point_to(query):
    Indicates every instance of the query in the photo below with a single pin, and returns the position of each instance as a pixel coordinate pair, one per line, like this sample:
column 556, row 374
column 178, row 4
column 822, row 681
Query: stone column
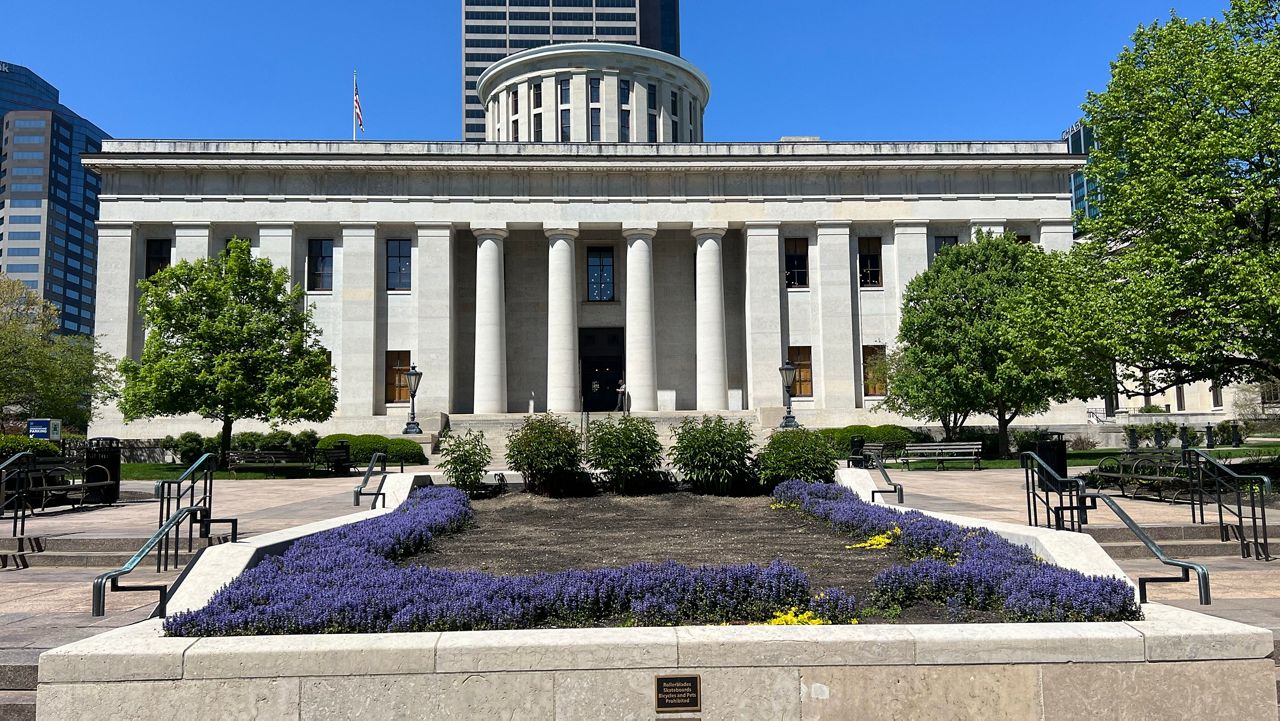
column 766, row 314
column 190, row 241
column 433, row 290
column 836, row 373
column 641, row 330
column 1057, row 234
column 563, row 393
column 910, row 258
column 713, row 375
column 358, row 356
column 120, row 267
column 275, row 243
column 491, row 322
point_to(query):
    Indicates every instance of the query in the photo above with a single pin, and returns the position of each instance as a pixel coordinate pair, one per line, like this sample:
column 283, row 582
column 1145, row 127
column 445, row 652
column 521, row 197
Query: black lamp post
column 788, row 372
column 414, row 376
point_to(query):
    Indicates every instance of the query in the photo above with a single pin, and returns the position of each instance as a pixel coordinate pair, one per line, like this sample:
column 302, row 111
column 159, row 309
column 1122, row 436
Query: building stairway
column 75, row 551
column 1179, row 541
column 18, row 684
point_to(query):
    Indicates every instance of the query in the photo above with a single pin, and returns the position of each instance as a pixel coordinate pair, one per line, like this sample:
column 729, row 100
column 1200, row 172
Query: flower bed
column 346, row 580
column 964, row 568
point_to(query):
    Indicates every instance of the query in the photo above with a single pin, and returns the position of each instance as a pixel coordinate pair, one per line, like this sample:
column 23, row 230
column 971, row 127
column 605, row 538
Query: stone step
column 1171, row 532
column 18, row 669
column 74, row 543
column 17, row 705
column 1198, row 548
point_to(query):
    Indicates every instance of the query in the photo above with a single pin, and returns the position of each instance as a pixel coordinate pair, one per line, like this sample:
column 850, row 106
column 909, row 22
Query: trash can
column 1052, row 449
column 856, row 444
column 102, row 453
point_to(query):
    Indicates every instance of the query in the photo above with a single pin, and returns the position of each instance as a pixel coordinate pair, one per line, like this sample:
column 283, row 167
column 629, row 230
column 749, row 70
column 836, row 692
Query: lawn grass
column 171, row 471
column 1089, row 459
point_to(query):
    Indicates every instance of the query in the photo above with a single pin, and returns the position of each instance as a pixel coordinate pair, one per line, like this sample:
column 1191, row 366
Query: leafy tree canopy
column 227, row 339
column 973, row 338
column 1185, row 253
column 45, row 374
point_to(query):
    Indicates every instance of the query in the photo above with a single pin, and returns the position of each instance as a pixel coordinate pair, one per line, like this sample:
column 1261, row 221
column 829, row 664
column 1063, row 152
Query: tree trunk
column 224, row 450
column 1003, row 421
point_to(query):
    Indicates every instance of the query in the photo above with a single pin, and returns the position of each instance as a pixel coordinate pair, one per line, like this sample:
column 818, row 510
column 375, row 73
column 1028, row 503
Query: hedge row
column 397, row 450
column 13, row 445
column 190, row 446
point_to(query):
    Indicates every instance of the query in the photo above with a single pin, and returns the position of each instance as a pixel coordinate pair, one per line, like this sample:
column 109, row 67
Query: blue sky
column 840, row 69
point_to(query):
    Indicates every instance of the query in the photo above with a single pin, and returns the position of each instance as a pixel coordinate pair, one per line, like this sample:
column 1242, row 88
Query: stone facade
column 699, row 310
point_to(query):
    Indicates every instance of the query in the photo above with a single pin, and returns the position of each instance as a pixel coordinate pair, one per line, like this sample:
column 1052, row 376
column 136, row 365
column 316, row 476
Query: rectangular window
column 624, row 93
column 600, row 275
column 653, row 97
column 515, row 131
column 1215, row 391
column 675, row 103
column 624, row 126
column 653, row 127
column 595, row 125
column 399, row 265
column 537, row 95
column 675, row 130
column 537, row 127
column 1180, row 396
column 29, row 123
column 802, row 358
column 1269, row 395
column 28, row 155
column 515, row 102
column 159, row 252
column 564, row 91
column 320, row 264
column 869, row 268
column 25, row 203
column 797, row 262
column 25, row 220
column 566, row 126
column 27, row 171
column 26, row 187
column 397, row 382
column 594, row 89
column 21, row 268
column 1024, row 239
column 942, row 242
column 875, row 369
column 27, row 252
column 28, row 139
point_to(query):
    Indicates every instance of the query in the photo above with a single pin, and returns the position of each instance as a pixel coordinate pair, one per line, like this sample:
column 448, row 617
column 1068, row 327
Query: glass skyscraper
column 48, row 201
column 1080, row 141
column 494, row 29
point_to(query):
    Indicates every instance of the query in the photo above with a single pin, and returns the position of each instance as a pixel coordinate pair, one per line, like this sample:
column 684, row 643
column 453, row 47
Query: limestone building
column 516, row 272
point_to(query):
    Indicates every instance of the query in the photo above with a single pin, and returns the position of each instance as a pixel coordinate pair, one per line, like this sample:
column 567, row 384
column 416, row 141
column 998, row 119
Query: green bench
column 941, row 454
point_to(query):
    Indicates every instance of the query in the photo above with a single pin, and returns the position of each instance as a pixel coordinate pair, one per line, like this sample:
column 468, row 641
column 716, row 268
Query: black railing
column 1241, row 502
column 193, row 515
column 884, row 475
column 1075, row 500
column 194, row 488
column 377, row 464
column 13, row 493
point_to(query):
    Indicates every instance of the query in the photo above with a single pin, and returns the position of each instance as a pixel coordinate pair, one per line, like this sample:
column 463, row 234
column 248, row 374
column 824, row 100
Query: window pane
column 802, row 358
column 158, row 255
column 397, row 384
column 320, row 265
column 399, row 265
column 869, row 267
column 797, row 262
column 874, row 370
column 600, row 275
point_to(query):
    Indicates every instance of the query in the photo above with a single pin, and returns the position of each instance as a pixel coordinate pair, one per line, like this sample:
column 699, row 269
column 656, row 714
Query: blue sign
column 49, row 429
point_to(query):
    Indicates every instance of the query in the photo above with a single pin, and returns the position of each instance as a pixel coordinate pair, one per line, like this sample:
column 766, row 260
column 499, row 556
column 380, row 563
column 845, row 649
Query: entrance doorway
column 603, row 358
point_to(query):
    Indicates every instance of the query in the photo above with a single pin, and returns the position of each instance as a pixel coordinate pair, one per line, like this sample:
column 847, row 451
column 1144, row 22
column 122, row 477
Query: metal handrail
column 171, row 494
column 359, row 491
column 884, row 474
column 200, row 513
column 19, row 493
column 1222, row 477
column 1082, row 492
column 160, row 484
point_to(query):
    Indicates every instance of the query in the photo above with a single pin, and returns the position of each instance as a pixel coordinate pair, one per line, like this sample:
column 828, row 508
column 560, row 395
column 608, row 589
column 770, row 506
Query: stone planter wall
column 1174, row 664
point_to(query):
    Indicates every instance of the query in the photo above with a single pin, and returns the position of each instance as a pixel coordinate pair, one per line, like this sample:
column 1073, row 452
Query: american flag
column 359, row 115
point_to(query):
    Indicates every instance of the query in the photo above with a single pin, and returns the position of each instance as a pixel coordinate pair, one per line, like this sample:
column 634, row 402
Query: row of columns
column 641, row 347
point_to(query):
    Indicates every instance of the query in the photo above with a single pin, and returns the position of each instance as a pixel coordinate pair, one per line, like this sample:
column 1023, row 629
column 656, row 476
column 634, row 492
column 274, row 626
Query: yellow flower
column 880, row 541
column 793, row 617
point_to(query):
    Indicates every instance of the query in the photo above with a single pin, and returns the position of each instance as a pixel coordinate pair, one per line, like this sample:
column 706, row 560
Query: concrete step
column 17, row 705
column 1197, row 548
column 1170, row 532
column 72, row 544
column 18, row 669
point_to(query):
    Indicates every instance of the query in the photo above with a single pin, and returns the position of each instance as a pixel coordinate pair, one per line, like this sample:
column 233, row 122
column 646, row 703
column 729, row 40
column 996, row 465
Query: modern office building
column 1079, row 140
column 494, row 29
column 48, row 201
column 513, row 271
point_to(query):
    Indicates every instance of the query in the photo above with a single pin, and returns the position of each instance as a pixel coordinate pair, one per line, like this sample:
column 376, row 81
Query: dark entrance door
column 603, row 360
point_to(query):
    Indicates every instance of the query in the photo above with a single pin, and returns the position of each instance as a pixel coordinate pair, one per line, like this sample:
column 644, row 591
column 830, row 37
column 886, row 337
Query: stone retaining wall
column 1174, row 664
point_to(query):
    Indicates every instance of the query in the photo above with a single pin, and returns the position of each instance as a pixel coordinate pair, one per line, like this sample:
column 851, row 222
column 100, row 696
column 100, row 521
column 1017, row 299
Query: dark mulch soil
column 519, row 533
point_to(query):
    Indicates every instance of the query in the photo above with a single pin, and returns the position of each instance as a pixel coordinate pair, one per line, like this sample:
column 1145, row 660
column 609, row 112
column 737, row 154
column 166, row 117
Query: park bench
column 874, row 454
column 336, row 460
column 1144, row 473
column 69, row 479
column 270, row 462
column 942, row 453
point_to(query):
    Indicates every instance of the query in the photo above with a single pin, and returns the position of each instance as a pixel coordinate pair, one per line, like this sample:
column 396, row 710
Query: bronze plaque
column 678, row 694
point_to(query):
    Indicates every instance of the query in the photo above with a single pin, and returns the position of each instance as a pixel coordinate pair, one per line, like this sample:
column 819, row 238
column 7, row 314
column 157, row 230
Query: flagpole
column 353, row 105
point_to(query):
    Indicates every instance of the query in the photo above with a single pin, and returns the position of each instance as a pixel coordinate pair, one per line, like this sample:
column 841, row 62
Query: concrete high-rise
column 494, row 29
column 48, row 201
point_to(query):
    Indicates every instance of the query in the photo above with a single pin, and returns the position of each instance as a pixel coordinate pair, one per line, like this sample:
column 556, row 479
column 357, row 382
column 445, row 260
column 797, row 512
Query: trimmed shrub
column 304, row 441
column 545, row 450
column 362, row 447
column 796, row 454
column 714, row 457
column 1223, row 432
column 988, row 437
column 275, row 441
column 13, row 445
column 406, row 451
column 246, row 441
column 628, row 451
column 1153, row 409
column 1082, row 443
column 464, row 459
column 1023, row 440
column 189, row 446
column 888, row 433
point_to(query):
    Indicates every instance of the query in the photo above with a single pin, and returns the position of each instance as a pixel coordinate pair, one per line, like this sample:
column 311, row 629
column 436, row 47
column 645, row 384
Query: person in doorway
column 622, row 396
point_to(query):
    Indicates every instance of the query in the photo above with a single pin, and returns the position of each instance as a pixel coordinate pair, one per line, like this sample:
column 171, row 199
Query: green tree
column 1185, row 249
column 228, row 340
column 44, row 373
column 973, row 338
